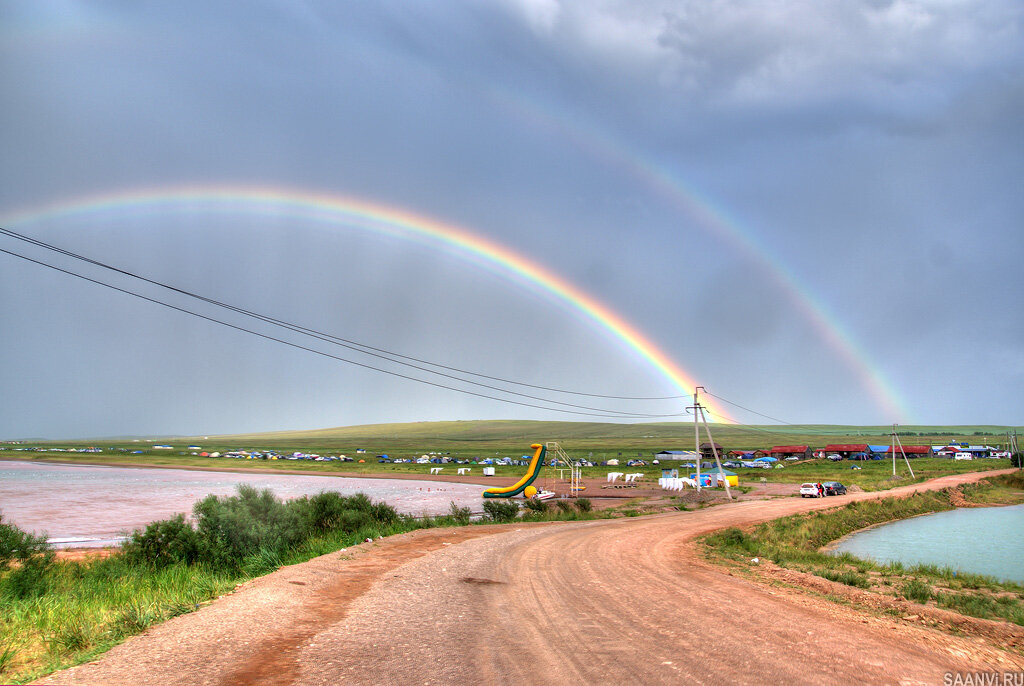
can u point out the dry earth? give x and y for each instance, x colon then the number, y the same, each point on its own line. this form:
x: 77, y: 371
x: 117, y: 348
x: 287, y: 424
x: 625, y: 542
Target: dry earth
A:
x: 602, y: 602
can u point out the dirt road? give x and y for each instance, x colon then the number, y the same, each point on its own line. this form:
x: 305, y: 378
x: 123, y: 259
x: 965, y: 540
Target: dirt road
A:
x: 603, y: 602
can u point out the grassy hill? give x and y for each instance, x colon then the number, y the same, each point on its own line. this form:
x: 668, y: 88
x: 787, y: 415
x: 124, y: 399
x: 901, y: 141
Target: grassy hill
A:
x: 599, y: 438
x: 472, y: 440
x: 648, y: 437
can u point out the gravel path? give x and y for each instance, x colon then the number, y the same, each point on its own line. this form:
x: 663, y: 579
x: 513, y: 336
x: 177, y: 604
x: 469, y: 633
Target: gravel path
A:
x: 603, y: 602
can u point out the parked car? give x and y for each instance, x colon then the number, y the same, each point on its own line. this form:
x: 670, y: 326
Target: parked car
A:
x: 834, y: 488
x: 835, y: 457
x: 808, y: 490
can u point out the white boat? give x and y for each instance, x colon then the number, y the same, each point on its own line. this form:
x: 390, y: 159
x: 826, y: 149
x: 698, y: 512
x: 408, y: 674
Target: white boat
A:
x: 545, y: 495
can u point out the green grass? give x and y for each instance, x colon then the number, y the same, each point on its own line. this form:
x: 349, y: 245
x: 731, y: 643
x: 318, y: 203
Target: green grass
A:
x: 846, y: 576
x: 60, y: 613
x: 89, y: 607
x: 916, y: 590
x: 797, y: 541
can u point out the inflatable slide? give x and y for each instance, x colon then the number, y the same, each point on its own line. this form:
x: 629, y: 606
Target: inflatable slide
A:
x: 524, y: 485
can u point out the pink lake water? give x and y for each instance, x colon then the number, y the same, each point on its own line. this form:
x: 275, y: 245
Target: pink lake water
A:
x: 82, y: 506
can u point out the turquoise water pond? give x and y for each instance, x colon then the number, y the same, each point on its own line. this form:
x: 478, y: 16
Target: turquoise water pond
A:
x: 987, y: 540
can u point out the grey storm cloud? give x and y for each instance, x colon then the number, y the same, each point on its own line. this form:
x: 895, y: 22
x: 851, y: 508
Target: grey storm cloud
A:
x: 861, y: 160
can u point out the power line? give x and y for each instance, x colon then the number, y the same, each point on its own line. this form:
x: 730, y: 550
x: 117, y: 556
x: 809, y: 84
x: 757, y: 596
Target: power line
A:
x: 599, y: 413
x: 746, y: 408
x: 746, y: 427
x: 355, y: 346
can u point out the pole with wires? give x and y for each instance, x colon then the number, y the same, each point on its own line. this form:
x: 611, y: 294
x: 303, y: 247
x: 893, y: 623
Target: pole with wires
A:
x: 696, y: 431
x: 896, y: 441
x: 721, y: 472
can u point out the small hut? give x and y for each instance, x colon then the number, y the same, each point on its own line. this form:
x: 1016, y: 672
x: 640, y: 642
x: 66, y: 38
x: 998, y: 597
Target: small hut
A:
x: 706, y: 452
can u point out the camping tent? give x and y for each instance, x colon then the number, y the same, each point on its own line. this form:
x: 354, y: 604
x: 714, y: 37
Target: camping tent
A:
x: 716, y: 477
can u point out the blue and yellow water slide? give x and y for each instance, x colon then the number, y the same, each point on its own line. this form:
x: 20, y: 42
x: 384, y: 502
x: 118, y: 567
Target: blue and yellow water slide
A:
x: 526, y: 482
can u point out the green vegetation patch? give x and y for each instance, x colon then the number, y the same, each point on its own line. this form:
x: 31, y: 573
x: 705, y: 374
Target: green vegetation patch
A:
x: 796, y: 542
x: 58, y: 613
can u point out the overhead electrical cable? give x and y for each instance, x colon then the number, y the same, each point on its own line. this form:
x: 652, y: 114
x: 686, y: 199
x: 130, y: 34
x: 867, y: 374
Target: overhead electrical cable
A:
x: 707, y: 392
x: 599, y: 412
x: 348, y: 343
x: 747, y: 427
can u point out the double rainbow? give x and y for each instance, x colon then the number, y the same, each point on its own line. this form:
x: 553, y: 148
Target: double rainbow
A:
x: 361, y: 214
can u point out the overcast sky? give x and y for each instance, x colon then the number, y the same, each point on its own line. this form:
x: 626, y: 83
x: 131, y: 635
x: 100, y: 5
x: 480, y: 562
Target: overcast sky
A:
x: 813, y: 208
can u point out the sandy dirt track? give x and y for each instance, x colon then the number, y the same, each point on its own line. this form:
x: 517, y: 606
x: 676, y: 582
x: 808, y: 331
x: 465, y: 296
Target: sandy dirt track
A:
x: 602, y: 602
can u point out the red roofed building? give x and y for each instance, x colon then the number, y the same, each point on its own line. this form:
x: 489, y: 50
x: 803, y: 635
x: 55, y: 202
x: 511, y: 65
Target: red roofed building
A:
x: 914, y: 450
x: 783, y: 451
x: 846, y: 449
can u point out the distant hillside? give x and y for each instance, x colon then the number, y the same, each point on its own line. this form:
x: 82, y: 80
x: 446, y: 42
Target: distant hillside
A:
x: 664, y: 434
x: 478, y: 430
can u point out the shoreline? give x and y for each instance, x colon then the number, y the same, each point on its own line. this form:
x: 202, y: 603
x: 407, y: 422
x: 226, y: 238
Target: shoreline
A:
x: 438, y: 478
x: 594, y: 490
x: 101, y: 545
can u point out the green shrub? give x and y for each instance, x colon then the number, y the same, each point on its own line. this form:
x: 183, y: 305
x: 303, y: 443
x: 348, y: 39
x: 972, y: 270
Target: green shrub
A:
x: 538, y: 506
x: 254, y: 530
x: 323, y: 511
x: 232, y: 528
x: 916, y: 590
x: 330, y: 511
x: 501, y: 510
x: 31, y: 577
x: 163, y: 543
x: 584, y: 505
x: 563, y: 505
x: 459, y: 515
x: 18, y: 545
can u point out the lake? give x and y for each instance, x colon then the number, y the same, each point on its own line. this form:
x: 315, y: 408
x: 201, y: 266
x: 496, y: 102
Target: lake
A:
x: 983, y: 540
x: 83, y: 506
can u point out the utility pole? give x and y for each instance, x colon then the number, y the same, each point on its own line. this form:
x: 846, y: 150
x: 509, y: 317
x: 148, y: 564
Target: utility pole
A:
x: 698, y: 416
x: 896, y: 441
x: 696, y: 431
x: 721, y: 472
x: 893, y: 450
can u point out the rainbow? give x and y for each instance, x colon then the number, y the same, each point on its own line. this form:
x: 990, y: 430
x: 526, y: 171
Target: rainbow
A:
x: 352, y: 212
x: 716, y: 221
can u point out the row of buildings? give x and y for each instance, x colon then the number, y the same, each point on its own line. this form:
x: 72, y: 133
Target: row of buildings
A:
x: 846, y: 451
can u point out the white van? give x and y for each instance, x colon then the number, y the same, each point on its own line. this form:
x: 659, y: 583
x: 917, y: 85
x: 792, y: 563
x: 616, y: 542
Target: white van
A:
x: 963, y: 456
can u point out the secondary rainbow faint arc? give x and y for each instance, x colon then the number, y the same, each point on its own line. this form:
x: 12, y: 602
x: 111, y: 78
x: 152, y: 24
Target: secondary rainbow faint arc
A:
x: 384, y: 219
x: 714, y: 219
